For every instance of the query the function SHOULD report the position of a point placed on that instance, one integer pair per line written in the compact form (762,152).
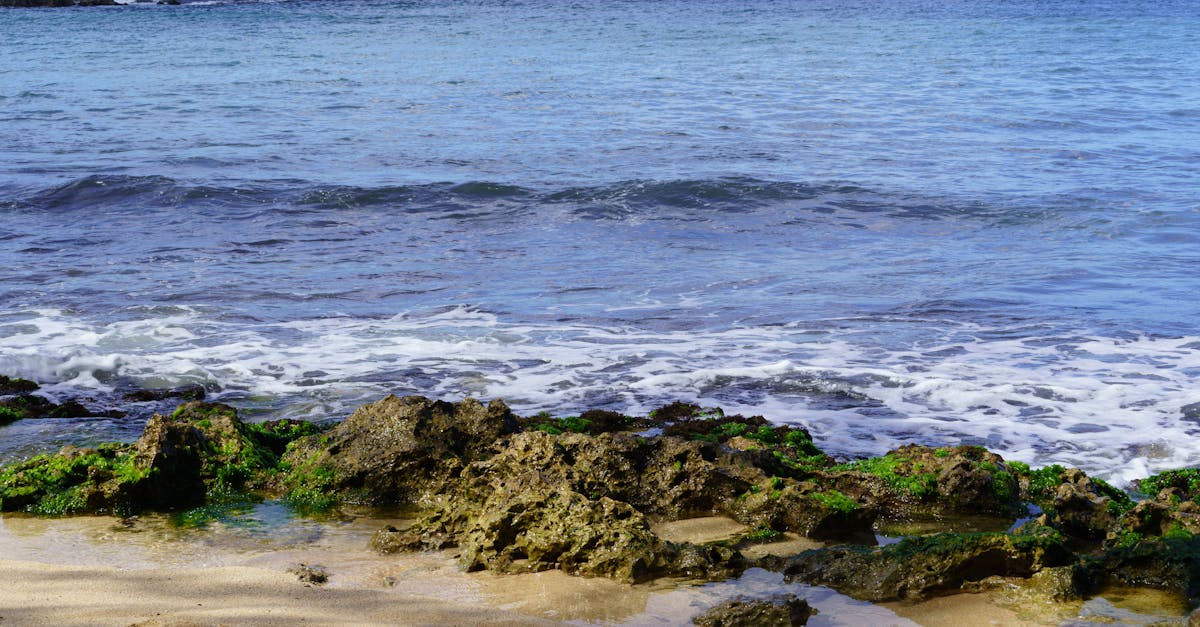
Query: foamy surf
(1116,407)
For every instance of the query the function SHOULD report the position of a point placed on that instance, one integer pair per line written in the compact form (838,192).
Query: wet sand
(46,594)
(108,571)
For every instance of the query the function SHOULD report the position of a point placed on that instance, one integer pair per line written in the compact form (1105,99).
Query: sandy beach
(95,570)
(53,594)
(45,594)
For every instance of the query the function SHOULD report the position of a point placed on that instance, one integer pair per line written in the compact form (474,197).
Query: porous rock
(532,531)
(1078,505)
(397,450)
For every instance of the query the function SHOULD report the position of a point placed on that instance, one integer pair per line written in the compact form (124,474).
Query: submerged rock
(783,610)
(17,401)
(194,392)
(16,385)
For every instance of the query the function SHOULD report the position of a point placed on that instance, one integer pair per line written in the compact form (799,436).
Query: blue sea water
(892,221)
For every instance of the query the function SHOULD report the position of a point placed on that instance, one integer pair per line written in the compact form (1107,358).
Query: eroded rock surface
(396,450)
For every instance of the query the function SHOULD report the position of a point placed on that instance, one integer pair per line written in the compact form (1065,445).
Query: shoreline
(105,570)
(600,517)
(40,593)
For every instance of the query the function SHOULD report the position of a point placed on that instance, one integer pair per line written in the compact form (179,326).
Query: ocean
(892,221)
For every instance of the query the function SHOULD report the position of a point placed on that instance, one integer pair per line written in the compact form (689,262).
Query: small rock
(314,573)
(16,385)
(185,392)
(783,610)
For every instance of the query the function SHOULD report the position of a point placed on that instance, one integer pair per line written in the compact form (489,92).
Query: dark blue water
(891,221)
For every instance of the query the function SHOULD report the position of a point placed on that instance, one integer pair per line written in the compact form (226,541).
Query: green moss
(1128,539)
(1044,481)
(1020,468)
(759,534)
(731,429)
(1186,479)
(566,424)
(835,500)
(1002,485)
(548,428)
(8,414)
(61,484)
(1026,539)
(310,491)
(898,472)
(941,453)
(1177,531)
(766,435)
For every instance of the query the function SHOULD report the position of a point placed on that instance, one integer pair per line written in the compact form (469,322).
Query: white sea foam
(1113,406)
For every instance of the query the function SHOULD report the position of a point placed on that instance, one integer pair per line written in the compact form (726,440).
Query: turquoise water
(892,221)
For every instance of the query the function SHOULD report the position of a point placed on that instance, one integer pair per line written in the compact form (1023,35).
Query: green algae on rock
(1082,507)
(920,480)
(201,451)
(106,479)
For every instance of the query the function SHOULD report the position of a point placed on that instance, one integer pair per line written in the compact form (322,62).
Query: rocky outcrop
(396,450)
(783,610)
(201,452)
(1082,507)
(579,493)
(532,531)
(920,480)
(807,509)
